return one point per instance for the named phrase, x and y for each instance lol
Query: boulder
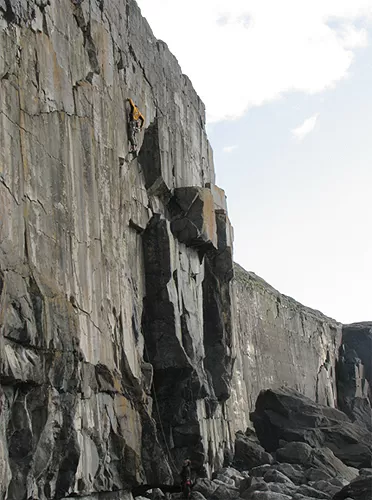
(257, 484)
(312, 492)
(286, 414)
(365, 472)
(157, 494)
(224, 480)
(355, 454)
(196, 495)
(245, 484)
(249, 453)
(285, 489)
(228, 472)
(295, 472)
(268, 495)
(205, 486)
(325, 486)
(339, 482)
(298, 496)
(260, 470)
(316, 458)
(359, 489)
(229, 476)
(314, 474)
(295, 453)
(275, 476)
(224, 492)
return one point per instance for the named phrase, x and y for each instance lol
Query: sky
(288, 92)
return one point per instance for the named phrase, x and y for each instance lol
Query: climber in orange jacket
(135, 125)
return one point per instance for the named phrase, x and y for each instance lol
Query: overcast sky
(288, 91)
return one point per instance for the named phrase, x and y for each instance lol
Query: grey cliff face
(280, 342)
(115, 270)
(125, 343)
(354, 372)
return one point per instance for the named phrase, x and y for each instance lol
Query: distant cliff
(125, 343)
(280, 342)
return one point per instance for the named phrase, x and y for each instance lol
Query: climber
(135, 124)
(186, 479)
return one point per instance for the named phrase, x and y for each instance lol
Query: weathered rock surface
(249, 453)
(284, 414)
(115, 327)
(119, 323)
(229, 475)
(205, 486)
(320, 463)
(359, 489)
(280, 342)
(315, 473)
(354, 372)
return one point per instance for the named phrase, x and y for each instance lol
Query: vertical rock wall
(280, 342)
(109, 374)
(354, 372)
(121, 334)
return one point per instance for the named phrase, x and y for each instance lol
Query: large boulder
(224, 492)
(261, 489)
(315, 474)
(229, 476)
(249, 453)
(275, 476)
(283, 488)
(325, 486)
(260, 470)
(295, 472)
(285, 414)
(205, 486)
(321, 459)
(308, 491)
(359, 489)
(295, 453)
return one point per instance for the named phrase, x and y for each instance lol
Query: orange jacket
(136, 113)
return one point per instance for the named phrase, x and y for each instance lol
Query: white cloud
(352, 37)
(242, 54)
(307, 126)
(229, 149)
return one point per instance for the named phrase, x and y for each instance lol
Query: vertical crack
(9, 15)
(88, 39)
